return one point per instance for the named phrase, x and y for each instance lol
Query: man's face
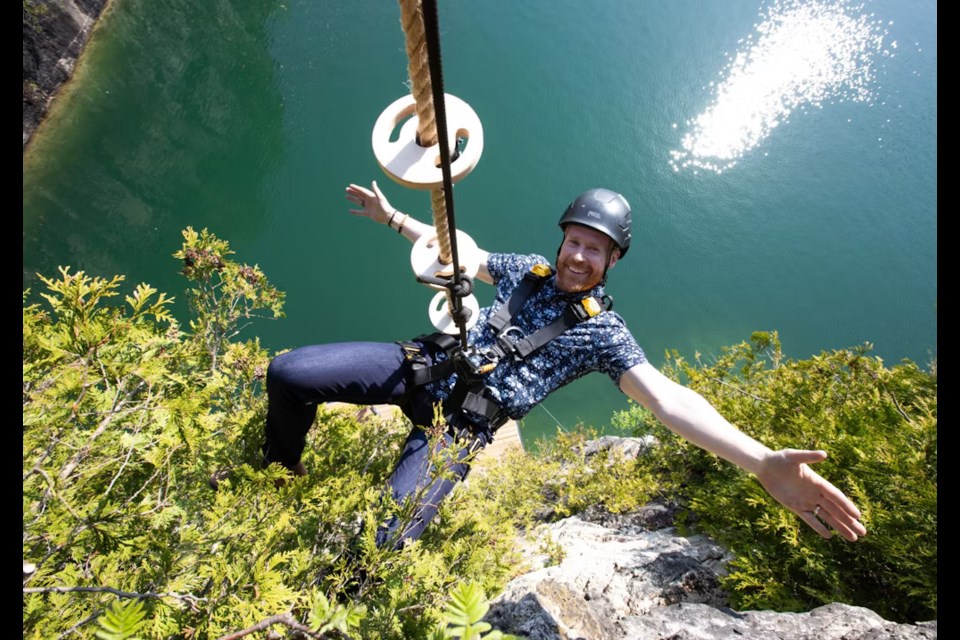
(584, 255)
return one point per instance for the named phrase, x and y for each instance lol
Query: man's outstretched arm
(374, 205)
(785, 474)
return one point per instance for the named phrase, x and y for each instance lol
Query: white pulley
(418, 167)
(440, 313)
(425, 257)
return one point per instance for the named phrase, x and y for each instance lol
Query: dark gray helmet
(606, 211)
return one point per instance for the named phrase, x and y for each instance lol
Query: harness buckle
(504, 336)
(412, 351)
(541, 270)
(508, 338)
(492, 356)
(591, 306)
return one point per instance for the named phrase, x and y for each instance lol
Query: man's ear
(614, 256)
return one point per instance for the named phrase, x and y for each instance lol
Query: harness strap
(574, 314)
(472, 395)
(469, 393)
(423, 374)
(523, 346)
(530, 284)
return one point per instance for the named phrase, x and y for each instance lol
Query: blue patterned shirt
(601, 343)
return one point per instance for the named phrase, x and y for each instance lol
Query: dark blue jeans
(363, 373)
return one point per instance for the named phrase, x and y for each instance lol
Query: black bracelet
(390, 221)
(403, 222)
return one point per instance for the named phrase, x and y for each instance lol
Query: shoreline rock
(55, 33)
(604, 576)
(625, 582)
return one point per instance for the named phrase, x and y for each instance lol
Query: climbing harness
(412, 160)
(470, 392)
(511, 341)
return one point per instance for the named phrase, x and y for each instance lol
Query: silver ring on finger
(816, 512)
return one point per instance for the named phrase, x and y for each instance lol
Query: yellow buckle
(487, 368)
(542, 270)
(591, 306)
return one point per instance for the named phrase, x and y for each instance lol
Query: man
(546, 328)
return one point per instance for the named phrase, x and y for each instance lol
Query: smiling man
(547, 327)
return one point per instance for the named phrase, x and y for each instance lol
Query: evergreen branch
(157, 472)
(54, 439)
(412, 607)
(738, 389)
(83, 392)
(103, 369)
(187, 598)
(93, 616)
(104, 423)
(116, 476)
(896, 404)
(54, 493)
(286, 619)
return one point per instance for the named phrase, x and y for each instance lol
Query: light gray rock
(830, 622)
(655, 585)
(629, 448)
(631, 577)
(604, 576)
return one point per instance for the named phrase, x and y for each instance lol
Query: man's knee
(283, 370)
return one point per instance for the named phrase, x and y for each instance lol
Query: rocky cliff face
(54, 34)
(601, 576)
(622, 581)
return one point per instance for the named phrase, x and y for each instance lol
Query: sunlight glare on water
(802, 54)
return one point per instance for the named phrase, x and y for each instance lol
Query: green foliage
(879, 427)
(325, 616)
(464, 615)
(565, 481)
(552, 549)
(226, 292)
(122, 419)
(125, 416)
(122, 621)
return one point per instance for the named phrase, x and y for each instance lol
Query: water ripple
(801, 55)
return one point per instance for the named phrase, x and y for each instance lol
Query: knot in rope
(460, 288)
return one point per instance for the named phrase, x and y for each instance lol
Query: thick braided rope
(439, 205)
(411, 19)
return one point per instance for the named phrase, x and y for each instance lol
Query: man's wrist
(390, 220)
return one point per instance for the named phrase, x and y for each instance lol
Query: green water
(250, 117)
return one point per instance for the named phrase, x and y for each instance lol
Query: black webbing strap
(469, 393)
(574, 314)
(530, 284)
(472, 395)
(437, 371)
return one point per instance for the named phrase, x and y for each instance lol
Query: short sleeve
(501, 265)
(620, 351)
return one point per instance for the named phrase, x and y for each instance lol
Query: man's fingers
(358, 192)
(840, 521)
(814, 523)
(844, 512)
(832, 496)
(840, 501)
